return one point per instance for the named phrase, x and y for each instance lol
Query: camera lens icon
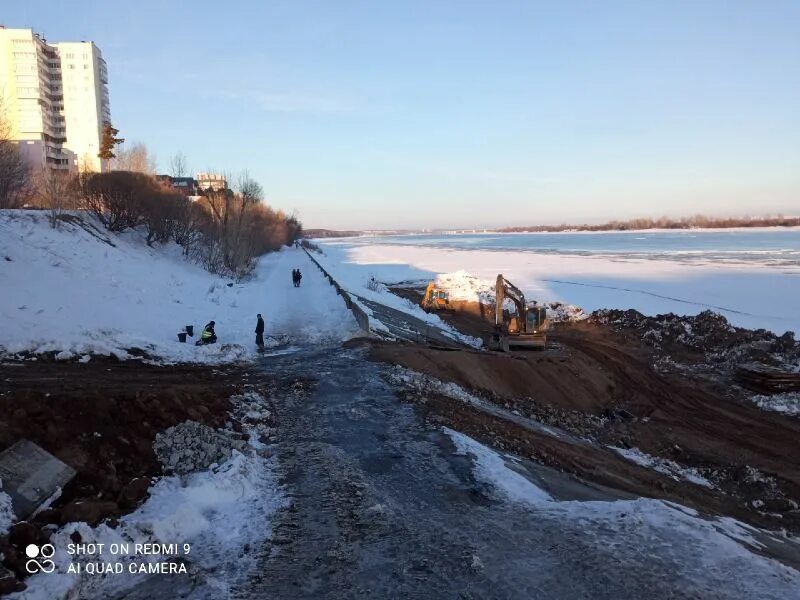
(45, 552)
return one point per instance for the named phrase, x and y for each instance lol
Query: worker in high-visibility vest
(208, 336)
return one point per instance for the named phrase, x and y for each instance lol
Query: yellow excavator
(527, 326)
(435, 298)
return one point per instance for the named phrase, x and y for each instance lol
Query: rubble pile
(192, 446)
(707, 337)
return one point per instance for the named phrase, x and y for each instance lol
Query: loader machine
(435, 298)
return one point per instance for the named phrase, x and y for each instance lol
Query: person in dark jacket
(299, 277)
(259, 332)
(294, 277)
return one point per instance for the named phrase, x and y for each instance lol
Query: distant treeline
(328, 233)
(696, 222)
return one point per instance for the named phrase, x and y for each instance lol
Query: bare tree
(135, 158)
(57, 192)
(15, 176)
(177, 165)
(249, 189)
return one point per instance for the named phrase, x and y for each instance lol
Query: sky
(427, 113)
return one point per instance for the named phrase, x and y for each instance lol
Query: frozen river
(773, 245)
(752, 276)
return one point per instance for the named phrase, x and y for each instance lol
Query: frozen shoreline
(754, 295)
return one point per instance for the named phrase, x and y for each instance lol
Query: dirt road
(383, 506)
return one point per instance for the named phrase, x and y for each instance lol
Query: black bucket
(182, 337)
(190, 330)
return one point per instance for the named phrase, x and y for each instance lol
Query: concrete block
(31, 475)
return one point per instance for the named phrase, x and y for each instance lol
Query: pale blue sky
(430, 113)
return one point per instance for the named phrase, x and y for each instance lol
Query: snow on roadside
(787, 402)
(490, 467)
(663, 465)
(367, 282)
(224, 514)
(7, 517)
(709, 557)
(79, 290)
(420, 382)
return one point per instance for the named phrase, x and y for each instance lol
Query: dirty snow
(749, 295)
(663, 465)
(7, 517)
(68, 290)
(787, 402)
(222, 513)
(717, 555)
(490, 466)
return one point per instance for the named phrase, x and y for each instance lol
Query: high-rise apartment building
(54, 98)
(84, 80)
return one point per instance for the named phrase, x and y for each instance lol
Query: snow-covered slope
(78, 289)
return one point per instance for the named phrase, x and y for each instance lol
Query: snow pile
(79, 290)
(7, 517)
(663, 465)
(224, 514)
(787, 402)
(467, 288)
(191, 446)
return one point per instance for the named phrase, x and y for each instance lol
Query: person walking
(299, 277)
(294, 277)
(259, 332)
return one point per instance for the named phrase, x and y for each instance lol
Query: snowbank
(758, 295)
(463, 286)
(224, 514)
(78, 290)
(369, 283)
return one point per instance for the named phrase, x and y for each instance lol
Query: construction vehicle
(435, 298)
(526, 328)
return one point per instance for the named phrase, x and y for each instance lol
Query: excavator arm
(505, 289)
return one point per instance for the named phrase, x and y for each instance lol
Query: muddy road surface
(383, 505)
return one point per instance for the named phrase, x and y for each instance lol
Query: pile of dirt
(704, 340)
(101, 418)
(601, 386)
